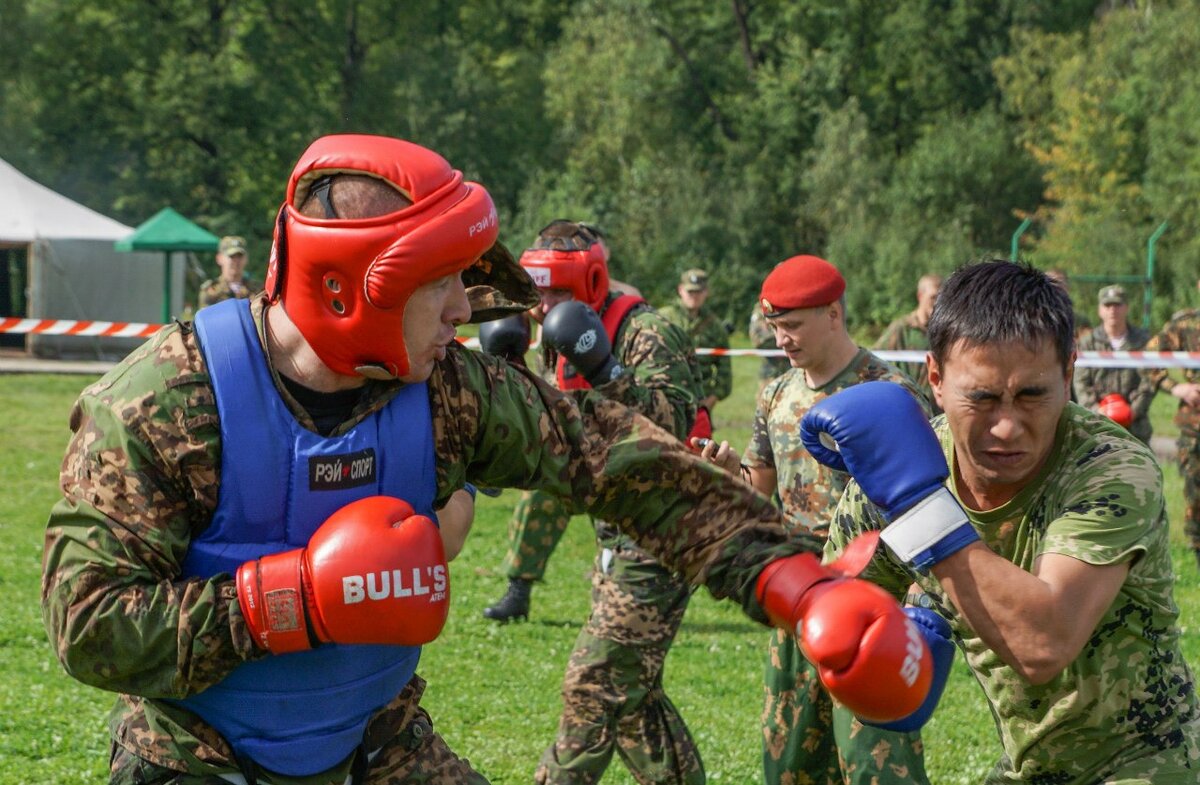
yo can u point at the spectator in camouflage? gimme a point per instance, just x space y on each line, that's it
763 337
692 314
233 281
909 332
1182 334
1115 333
1064 607
142 476
807 737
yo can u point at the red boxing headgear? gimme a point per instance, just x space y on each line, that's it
572 256
345 282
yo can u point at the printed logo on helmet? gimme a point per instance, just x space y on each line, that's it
336 472
483 224
586 342
540 276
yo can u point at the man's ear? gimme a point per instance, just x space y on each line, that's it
935 379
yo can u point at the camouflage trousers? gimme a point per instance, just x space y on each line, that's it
416 755
613 698
1189 468
537 525
810 740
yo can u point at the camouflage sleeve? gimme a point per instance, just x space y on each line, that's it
893 335
1109 503
139 475
1142 396
1164 341
759 453
854 515
499 426
1085 379
661 381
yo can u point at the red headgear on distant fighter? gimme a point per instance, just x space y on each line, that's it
345 282
569 255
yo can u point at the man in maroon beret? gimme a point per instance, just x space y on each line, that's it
806 737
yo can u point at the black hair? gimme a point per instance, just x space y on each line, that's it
998 301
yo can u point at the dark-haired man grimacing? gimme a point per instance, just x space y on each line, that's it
1037 527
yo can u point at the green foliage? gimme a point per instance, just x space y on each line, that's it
893 137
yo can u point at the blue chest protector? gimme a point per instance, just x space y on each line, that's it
305 712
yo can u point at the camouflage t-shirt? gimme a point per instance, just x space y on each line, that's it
1126 709
806 488
142 474
907 333
218 289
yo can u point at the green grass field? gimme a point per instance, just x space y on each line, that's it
493 691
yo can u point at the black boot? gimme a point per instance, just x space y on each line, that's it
514 604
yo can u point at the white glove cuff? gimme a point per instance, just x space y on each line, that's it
931 530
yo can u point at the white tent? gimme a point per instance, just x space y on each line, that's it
71 269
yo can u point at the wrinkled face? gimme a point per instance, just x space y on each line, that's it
1115 318
232 266
1002 403
805 334
549 299
692 300
431 317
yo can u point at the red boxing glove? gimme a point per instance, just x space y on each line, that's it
868 653
374 572
1116 408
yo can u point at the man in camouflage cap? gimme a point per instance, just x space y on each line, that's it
1036 527
1094 386
707 330
233 281
806 734
909 332
1182 334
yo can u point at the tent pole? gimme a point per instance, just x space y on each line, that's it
166 309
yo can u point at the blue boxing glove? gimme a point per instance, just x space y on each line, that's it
877 433
936 632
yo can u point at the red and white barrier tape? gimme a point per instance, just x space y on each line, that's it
12 324
1084 360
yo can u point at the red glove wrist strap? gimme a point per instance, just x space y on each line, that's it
783 583
269 591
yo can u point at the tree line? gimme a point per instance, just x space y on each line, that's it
894 137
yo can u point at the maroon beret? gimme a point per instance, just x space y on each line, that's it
800 282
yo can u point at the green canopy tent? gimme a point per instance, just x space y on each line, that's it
168 231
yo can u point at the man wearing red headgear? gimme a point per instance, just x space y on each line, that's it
246 548
613 693
804 733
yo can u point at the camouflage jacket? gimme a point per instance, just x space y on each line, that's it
708 331
907 333
1180 334
808 490
1092 384
141 477
217 289
1126 708
662 380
